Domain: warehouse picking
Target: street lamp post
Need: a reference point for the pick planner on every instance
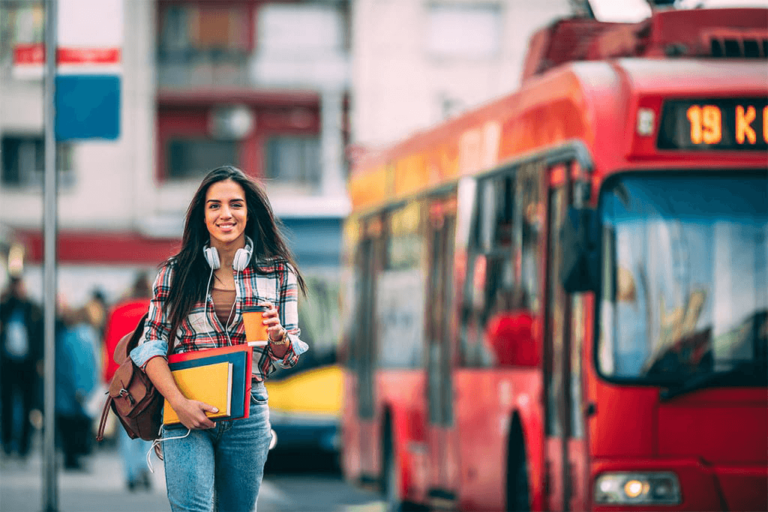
(50, 495)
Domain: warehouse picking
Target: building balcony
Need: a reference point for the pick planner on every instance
(203, 70)
(191, 70)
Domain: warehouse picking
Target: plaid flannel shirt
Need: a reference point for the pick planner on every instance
(202, 330)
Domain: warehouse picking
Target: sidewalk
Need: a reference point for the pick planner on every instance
(100, 487)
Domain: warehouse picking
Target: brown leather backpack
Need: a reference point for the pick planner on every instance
(131, 395)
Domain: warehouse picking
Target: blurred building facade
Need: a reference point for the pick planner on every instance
(418, 62)
(280, 88)
(259, 84)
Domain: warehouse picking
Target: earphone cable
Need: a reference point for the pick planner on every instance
(229, 317)
(205, 309)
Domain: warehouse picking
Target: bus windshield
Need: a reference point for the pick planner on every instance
(684, 286)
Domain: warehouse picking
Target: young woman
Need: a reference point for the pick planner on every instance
(232, 256)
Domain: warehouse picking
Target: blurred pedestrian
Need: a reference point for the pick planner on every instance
(121, 321)
(21, 355)
(96, 311)
(76, 370)
(141, 288)
(232, 248)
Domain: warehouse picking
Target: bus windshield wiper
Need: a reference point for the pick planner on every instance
(745, 373)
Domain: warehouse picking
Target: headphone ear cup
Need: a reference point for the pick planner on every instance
(241, 259)
(212, 257)
(237, 263)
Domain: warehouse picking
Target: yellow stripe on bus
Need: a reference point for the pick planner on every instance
(313, 391)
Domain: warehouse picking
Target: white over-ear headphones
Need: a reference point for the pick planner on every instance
(239, 262)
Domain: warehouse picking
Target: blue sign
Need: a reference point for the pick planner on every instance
(87, 107)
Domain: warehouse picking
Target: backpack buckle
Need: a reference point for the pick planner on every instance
(125, 393)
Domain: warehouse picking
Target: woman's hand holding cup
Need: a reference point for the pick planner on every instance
(262, 324)
(272, 322)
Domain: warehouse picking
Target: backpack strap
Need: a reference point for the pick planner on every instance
(121, 355)
(104, 416)
(131, 341)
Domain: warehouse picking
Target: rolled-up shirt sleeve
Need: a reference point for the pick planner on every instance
(154, 341)
(288, 309)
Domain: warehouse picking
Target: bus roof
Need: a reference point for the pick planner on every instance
(590, 101)
(716, 77)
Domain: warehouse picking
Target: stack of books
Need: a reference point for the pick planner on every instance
(220, 377)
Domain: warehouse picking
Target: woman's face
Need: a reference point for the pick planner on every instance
(226, 213)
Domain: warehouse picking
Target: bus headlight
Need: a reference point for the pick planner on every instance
(660, 488)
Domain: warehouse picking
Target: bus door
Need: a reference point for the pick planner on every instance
(443, 456)
(565, 447)
(366, 347)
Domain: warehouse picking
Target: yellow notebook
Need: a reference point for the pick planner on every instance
(210, 384)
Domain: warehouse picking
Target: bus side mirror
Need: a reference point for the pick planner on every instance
(579, 236)
(510, 336)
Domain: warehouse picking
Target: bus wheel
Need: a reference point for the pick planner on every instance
(391, 477)
(518, 497)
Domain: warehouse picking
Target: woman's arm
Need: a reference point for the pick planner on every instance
(151, 355)
(286, 356)
(277, 344)
(190, 412)
(154, 340)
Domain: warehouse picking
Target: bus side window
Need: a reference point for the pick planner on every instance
(499, 277)
(491, 275)
(400, 295)
(529, 218)
(350, 315)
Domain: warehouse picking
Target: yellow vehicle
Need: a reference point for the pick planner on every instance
(305, 401)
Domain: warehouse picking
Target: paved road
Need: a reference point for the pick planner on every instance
(100, 488)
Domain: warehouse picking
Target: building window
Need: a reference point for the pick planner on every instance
(23, 160)
(294, 160)
(20, 24)
(193, 157)
(285, 29)
(463, 30)
(187, 30)
(202, 46)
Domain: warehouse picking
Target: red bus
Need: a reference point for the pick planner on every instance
(558, 301)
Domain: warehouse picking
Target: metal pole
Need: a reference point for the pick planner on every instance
(50, 494)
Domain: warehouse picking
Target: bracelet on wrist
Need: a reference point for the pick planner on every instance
(283, 338)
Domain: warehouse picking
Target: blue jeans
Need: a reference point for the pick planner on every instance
(219, 469)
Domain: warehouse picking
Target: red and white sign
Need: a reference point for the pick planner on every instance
(29, 59)
(84, 61)
(29, 54)
(90, 41)
(85, 56)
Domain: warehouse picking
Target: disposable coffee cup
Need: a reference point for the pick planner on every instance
(255, 330)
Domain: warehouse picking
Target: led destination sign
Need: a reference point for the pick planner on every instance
(715, 124)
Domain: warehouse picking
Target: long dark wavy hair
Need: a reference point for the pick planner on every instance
(191, 271)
